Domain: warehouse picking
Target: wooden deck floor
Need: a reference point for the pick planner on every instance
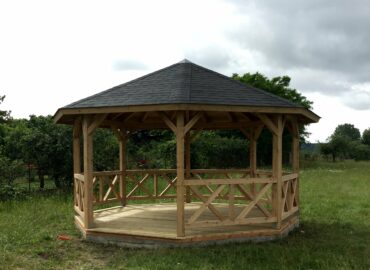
(159, 220)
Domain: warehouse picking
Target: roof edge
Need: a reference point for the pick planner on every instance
(309, 115)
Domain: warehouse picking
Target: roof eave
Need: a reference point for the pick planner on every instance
(61, 115)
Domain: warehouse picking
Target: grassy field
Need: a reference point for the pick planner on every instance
(334, 233)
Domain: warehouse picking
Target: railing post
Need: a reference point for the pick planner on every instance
(155, 187)
(231, 195)
(295, 154)
(180, 173)
(187, 164)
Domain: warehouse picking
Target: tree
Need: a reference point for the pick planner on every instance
(4, 115)
(277, 85)
(349, 131)
(337, 147)
(366, 137)
(345, 143)
(280, 87)
(38, 141)
(359, 151)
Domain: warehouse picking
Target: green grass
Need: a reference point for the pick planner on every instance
(334, 233)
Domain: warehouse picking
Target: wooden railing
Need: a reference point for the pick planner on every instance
(106, 187)
(79, 194)
(139, 185)
(151, 184)
(289, 195)
(244, 195)
(250, 200)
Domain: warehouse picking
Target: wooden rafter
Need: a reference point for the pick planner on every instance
(192, 122)
(128, 116)
(195, 134)
(97, 120)
(268, 122)
(168, 121)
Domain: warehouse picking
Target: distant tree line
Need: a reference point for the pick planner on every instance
(347, 143)
(39, 144)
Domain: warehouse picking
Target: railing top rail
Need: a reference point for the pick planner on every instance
(200, 182)
(151, 171)
(161, 171)
(135, 171)
(219, 170)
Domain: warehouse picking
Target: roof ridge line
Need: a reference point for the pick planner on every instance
(243, 84)
(190, 80)
(123, 84)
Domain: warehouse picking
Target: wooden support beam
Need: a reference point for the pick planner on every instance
(98, 119)
(88, 173)
(187, 164)
(295, 154)
(195, 134)
(77, 129)
(192, 122)
(117, 116)
(254, 135)
(277, 169)
(245, 116)
(144, 117)
(268, 122)
(246, 133)
(122, 166)
(167, 120)
(179, 130)
(128, 117)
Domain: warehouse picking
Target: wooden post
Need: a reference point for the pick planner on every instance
(253, 160)
(187, 164)
(253, 155)
(253, 137)
(122, 166)
(277, 169)
(88, 174)
(76, 146)
(180, 173)
(76, 154)
(295, 154)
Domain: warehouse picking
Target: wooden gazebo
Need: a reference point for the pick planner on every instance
(182, 206)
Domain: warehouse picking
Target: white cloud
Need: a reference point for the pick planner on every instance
(55, 52)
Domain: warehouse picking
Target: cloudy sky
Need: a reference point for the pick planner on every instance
(55, 52)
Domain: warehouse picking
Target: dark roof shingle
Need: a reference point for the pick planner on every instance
(183, 83)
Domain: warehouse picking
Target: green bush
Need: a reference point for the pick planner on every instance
(360, 151)
(9, 192)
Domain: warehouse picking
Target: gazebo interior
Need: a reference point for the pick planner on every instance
(182, 205)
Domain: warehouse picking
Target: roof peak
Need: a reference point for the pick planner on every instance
(185, 61)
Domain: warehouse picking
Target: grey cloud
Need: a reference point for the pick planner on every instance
(358, 100)
(324, 44)
(329, 35)
(128, 64)
(213, 57)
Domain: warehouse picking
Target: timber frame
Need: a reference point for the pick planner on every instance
(183, 205)
(223, 197)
